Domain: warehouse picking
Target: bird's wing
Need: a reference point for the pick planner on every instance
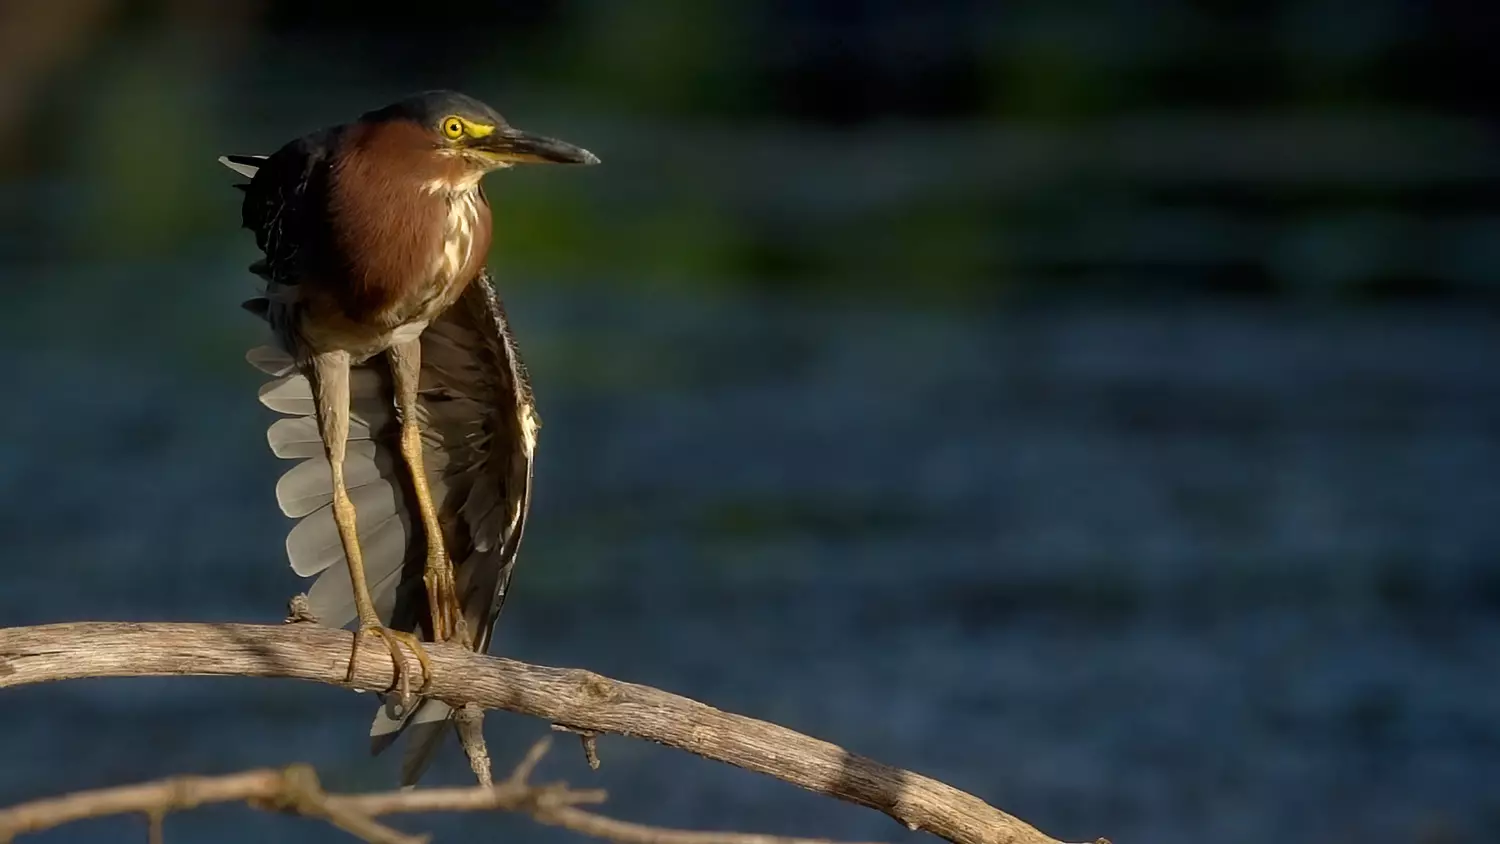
(479, 428)
(284, 203)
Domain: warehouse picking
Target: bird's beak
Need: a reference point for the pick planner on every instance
(511, 146)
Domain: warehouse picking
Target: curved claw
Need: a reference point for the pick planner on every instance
(448, 622)
(393, 640)
(420, 652)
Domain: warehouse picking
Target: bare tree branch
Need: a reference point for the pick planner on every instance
(295, 790)
(470, 721)
(590, 743)
(580, 699)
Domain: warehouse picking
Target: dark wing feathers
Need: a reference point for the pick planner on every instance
(479, 427)
(478, 399)
(285, 202)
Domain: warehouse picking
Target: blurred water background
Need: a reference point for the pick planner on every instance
(1092, 405)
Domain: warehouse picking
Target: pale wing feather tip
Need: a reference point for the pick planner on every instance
(331, 598)
(270, 360)
(245, 165)
(309, 485)
(365, 383)
(313, 544)
(299, 437)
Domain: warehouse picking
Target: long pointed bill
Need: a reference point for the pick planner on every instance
(516, 147)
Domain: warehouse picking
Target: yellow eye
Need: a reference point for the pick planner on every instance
(453, 127)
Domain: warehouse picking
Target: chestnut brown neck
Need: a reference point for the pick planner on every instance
(390, 199)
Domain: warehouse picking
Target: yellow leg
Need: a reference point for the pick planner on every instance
(331, 377)
(448, 622)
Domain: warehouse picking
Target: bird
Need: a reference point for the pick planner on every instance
(396, 373)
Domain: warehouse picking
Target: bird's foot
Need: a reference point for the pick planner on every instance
(393, 640)
(448, 622)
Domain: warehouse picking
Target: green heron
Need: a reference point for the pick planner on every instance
(389, 339)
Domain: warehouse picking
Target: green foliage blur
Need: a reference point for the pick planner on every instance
(952, 152)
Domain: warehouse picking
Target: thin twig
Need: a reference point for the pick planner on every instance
(581, 699)
(527, 766)
(468, 720)
(302, 794)
(590, 741)
(295, 790)
(155, 818)
(299, 610)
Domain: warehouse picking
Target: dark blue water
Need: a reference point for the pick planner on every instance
(1165, 574)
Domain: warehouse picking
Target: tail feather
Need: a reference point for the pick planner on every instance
(424, 727)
